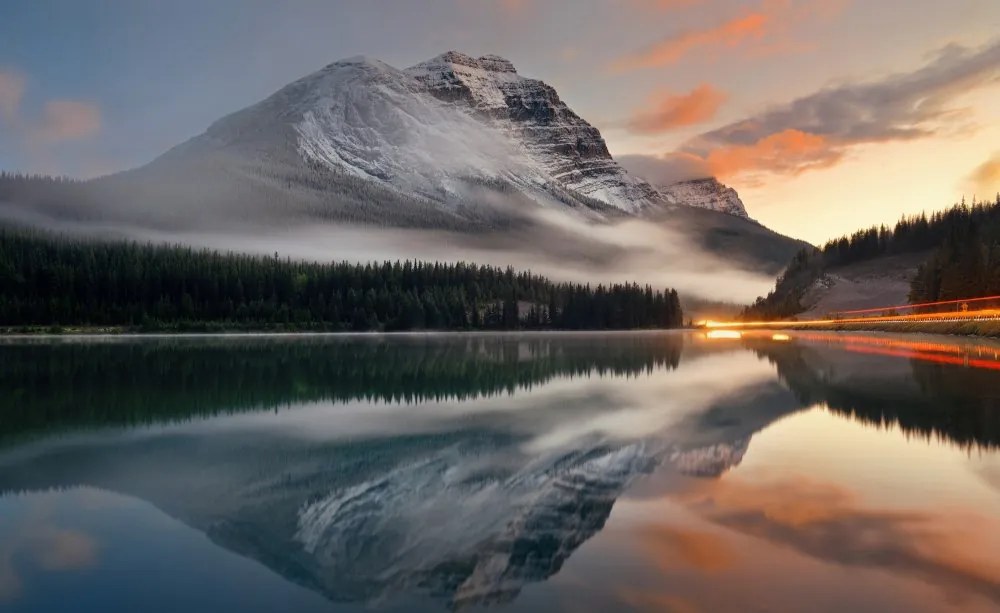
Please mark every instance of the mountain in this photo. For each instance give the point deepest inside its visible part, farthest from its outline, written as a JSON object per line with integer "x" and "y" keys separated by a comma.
{"x": 468, "y": 139}
{"x": 458, "y": 144}
{"x": 445, "y": 131}
{"x": 707, "y": 194}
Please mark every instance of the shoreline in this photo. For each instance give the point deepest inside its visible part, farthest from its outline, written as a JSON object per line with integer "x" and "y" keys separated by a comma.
{"x": 971, "y": 329}
{"x": 112, "y": 332}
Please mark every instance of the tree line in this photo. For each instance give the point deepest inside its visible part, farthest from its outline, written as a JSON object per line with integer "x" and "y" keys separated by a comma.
{"x": 965, "y": 262}
{"x": 946, "y": 403}
{"x": 51, "y": 387}
{"x": 47, "y": 280}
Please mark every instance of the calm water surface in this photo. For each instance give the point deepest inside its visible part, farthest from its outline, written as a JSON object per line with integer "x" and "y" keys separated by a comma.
{"x": 535, "y": 472}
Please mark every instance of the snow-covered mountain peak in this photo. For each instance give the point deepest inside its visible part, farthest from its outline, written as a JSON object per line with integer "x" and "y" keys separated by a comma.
{"x": 489, "y": 63}
{"x": 495, "y": 63}
{"x": 446, "y": 131}
{"x": 362, "y": 60}
{"x": 455, "y": 76}
{"x": 707, "y": 193}
{"x": 530, "y": 112}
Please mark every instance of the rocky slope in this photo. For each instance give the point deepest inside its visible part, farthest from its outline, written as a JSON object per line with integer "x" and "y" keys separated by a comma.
{"x": 707, "y": 194}
{"x": 569, "y": 150}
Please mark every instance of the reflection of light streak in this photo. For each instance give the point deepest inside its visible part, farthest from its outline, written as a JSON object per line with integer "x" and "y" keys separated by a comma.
{"x": 723, "y": 334}
{"x": 943, "y": 352}
{"x": 780, "y": 337}
{"x": 941, "y": 347}
{"x": 926, "y": 357}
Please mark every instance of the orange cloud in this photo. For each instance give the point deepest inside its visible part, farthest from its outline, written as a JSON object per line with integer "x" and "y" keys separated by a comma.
{"x": 831, "y": 522}
{"x": 670, "y": 547}
{"x": 985, "y": 179}
{"x": 669, "y": 111}
{"x": 513, "y": 7}
{"x": 818, "y": 130}
{"x": 666, "y": 5}
{"x": 789, "y": 151}
{"x": 65, "y": 120}
{"x": 733, "y": 33}
{"x": 11, "y": 92}
{"x": 62, "y": 549}
{"x": 763, "y": 31}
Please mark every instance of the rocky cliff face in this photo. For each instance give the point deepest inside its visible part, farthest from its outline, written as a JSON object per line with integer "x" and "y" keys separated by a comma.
{"x": 706, "y": 193}
{"x": 571, "y": 151}
{"x": 711, "y": 460}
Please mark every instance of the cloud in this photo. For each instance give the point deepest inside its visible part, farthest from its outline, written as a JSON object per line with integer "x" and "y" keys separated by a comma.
{"x": 667, "y": 169}
{"x": 900, "y": 106}
{"x": 786, "y": 152}
{"x": 765, "y": 30}
{"x": 37, "y": 542}
{"x": 513, "y": 7}
{"x": 667, "y": 5}
{"x": 673, "y": 548}
{"x": 66, "y": 120}
{"x": 11, "y": 91}
{"x": 59, "y": 549}
{"x": 34, "y": 135}
{"x": 985, "y": 179}
{"x": 569, "y": 53}
{"x": 818, "y": 130}
{"x": 732, "y": 33}
{"x": 666, "y": 111}
{"x": 828, "y": 522}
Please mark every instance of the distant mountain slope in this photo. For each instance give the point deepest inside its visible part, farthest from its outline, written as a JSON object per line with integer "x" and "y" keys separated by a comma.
{"x": 953, "y": 254}
{"x": 880, "y": 281}
{"x": 707, "y": 194}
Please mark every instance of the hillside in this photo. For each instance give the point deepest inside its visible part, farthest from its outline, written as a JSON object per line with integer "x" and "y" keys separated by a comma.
{"x": 953, "y": 254}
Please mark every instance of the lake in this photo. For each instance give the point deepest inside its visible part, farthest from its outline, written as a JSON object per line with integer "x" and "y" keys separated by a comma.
{"x": 652, "y": 471}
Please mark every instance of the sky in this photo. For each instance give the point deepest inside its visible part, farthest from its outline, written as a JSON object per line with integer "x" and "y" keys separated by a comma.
{"x": 825, "y": 115}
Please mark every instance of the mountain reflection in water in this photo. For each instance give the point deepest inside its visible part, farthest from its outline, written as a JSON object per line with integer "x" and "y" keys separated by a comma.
{"x": 432, "y": 471}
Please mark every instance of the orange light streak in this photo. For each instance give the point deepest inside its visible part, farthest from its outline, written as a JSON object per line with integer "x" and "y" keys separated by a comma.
{"x": 882, "y": 342}
{"x": 918, "y": 305}
{"x": 926, "y": 357}
{"x": 950, "y": 316}
{"x": 971, "y": 356}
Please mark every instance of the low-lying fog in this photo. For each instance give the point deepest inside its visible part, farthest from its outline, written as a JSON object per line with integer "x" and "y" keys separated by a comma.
{"x": 561, "y": 246}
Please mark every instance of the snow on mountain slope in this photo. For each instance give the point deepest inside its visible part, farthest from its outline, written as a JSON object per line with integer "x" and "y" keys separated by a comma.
{"x": 707, "y": 194}
{"x": 446, "y": 130}
{"x": 376, "y": 122}
{"x": 530, "y": 113}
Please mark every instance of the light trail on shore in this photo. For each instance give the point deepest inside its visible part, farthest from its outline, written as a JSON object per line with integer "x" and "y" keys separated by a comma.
{"x": 954, "y": 316}
{"x": 903, "y": 307}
